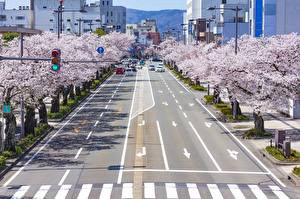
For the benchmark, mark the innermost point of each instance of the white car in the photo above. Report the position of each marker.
(152, 68)
(129, 72)
(160, 69)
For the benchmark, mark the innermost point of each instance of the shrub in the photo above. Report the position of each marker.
(40, 129)
(55, 115)
(7, 154)
(226, 111)
(208, 99)
(2, 161)
(221, 105)
(296, 171)
(71, 102)
(276, 153)
(19, 150)
(96, 82)
(255, 133)
(198, 88)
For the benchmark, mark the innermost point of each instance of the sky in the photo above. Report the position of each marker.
(136, 4)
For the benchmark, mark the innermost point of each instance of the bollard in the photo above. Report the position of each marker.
(279, 138)
(287, 149)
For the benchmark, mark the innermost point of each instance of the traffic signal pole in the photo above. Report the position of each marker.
(2, 58)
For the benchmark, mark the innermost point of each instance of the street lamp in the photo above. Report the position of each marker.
(236, 9)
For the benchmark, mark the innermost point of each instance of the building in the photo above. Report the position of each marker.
(272, 17)
(78, 17)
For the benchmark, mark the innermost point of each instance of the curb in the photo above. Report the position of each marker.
(294, 179)
(275, 161)
(26, 152)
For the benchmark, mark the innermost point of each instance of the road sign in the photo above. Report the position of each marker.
(6, 108)
(101, 50)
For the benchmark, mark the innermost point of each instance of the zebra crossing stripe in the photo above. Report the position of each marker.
(21, 192)
(149, 190)
(63, 191)
(214, 191)
(85, 191)
(127, 190)
(257, 192)
(171, 190)
(42, 192)
(236, 192)
(106, 191)
(193, 191)
(277, 191)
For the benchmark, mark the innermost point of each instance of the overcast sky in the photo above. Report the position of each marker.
(137, 4)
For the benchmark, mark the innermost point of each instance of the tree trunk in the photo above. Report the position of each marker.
(72, 94)
(10, 132)
(77, 91)
(66, 91)
(43, 112)
(216, 95)
(97, 75)
(259, 123)
(236, 109)
(1, 137)
(55, 104)
(30, 122)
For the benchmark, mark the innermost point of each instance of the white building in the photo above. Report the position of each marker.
(272, 17)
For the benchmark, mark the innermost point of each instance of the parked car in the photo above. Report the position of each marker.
(129, 72)
(133, 68)
(151, 67)
(160, 69)
(139, 67)
(120, 71)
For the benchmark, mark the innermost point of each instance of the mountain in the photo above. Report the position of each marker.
(165, 18)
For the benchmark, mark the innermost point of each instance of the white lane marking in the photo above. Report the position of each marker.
(180, 107)
(106, 107)
(171, 190)
(142, 124)
(236, 192)
(205, 147)
(42, 192)
(21, 192)
(63, 192)
(165, 103)
(78, 153)
(64, 177)
(54, 135)
(85, 191)
(143, 153)
(191, 104)
(257, 192)
(162, 146)
(208, 124)
(184, 114)
(109, 101)
(160, 92)
(277, 191)
(101, 115)
(193, 191)
(106, 191)
(97, 122)
(233, 154)
(127, 191)
(172, 93)
(126, 137)
(174, 124)
(89, 135)
(112, 96)
(176, 101)
(149, 191)
(173, 96)
(244, 147)
(186, 153)
(179, 82)
(214, 191)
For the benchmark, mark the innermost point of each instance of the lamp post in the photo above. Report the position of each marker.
(236, 9)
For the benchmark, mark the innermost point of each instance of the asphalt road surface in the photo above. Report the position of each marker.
(142, 136)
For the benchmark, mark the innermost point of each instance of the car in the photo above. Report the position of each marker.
(151, 67)
(133, 68)
(120, 71)
(159, 68)
(129, 72)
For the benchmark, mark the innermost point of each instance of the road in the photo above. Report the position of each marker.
(143, 136)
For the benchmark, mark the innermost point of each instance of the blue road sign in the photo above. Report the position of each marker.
(101, 50)
(6, 108)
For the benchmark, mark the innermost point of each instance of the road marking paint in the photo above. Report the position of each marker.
(205, 147)
(179, 82)
(191, 104)
(143, 153)
(244, 147)
(126, 137)
(89, 135)
(171, 190)
(162, 146)
(277, 191)
(42, 192)
(173, 96)
(257, 192)
(21, 192)
(64, 177)
(236, 192)
(106, 191)
(97, 122)
(184, 114)
(180, 107)
(63, 191)
(101, 115)
(85, 191)
(214, 191)
(112, 96)
(165, 103)
(193, 191)
(174, 124)
(176, 101)
(149, 190)
(186, 153)
(208, 124)
(127, 190)
(233, 154)
(160, 92)
(181, 92)
(142, 124)
(78, 153)
(54, 135)
(106, 107)
(109, 101)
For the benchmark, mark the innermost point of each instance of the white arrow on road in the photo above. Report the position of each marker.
(233, 154)
(186, 153)
(165, 103)
(208, 124)
(143, 153)
(181, 92)
(143, 123)
(174, 124)
(191, 104)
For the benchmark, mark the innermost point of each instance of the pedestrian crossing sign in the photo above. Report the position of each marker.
(6, 108)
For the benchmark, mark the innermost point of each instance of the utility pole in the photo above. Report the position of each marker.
(59, 18)
(236, 29)
(91, 24)
(79, 21)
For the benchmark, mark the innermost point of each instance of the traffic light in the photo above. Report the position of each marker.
(55, 60)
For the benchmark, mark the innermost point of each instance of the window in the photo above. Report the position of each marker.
(103, 3)
(107, 3)
(107, 14)
(51, 20)
(223, 1)
(76, 24)
(45, 7)
(20, 25)
(68, 29)
(68, 20)
(50, 29)
(2, 17)
(20, 17)
(111, 13)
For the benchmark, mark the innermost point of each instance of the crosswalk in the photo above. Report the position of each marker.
(151, 190)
